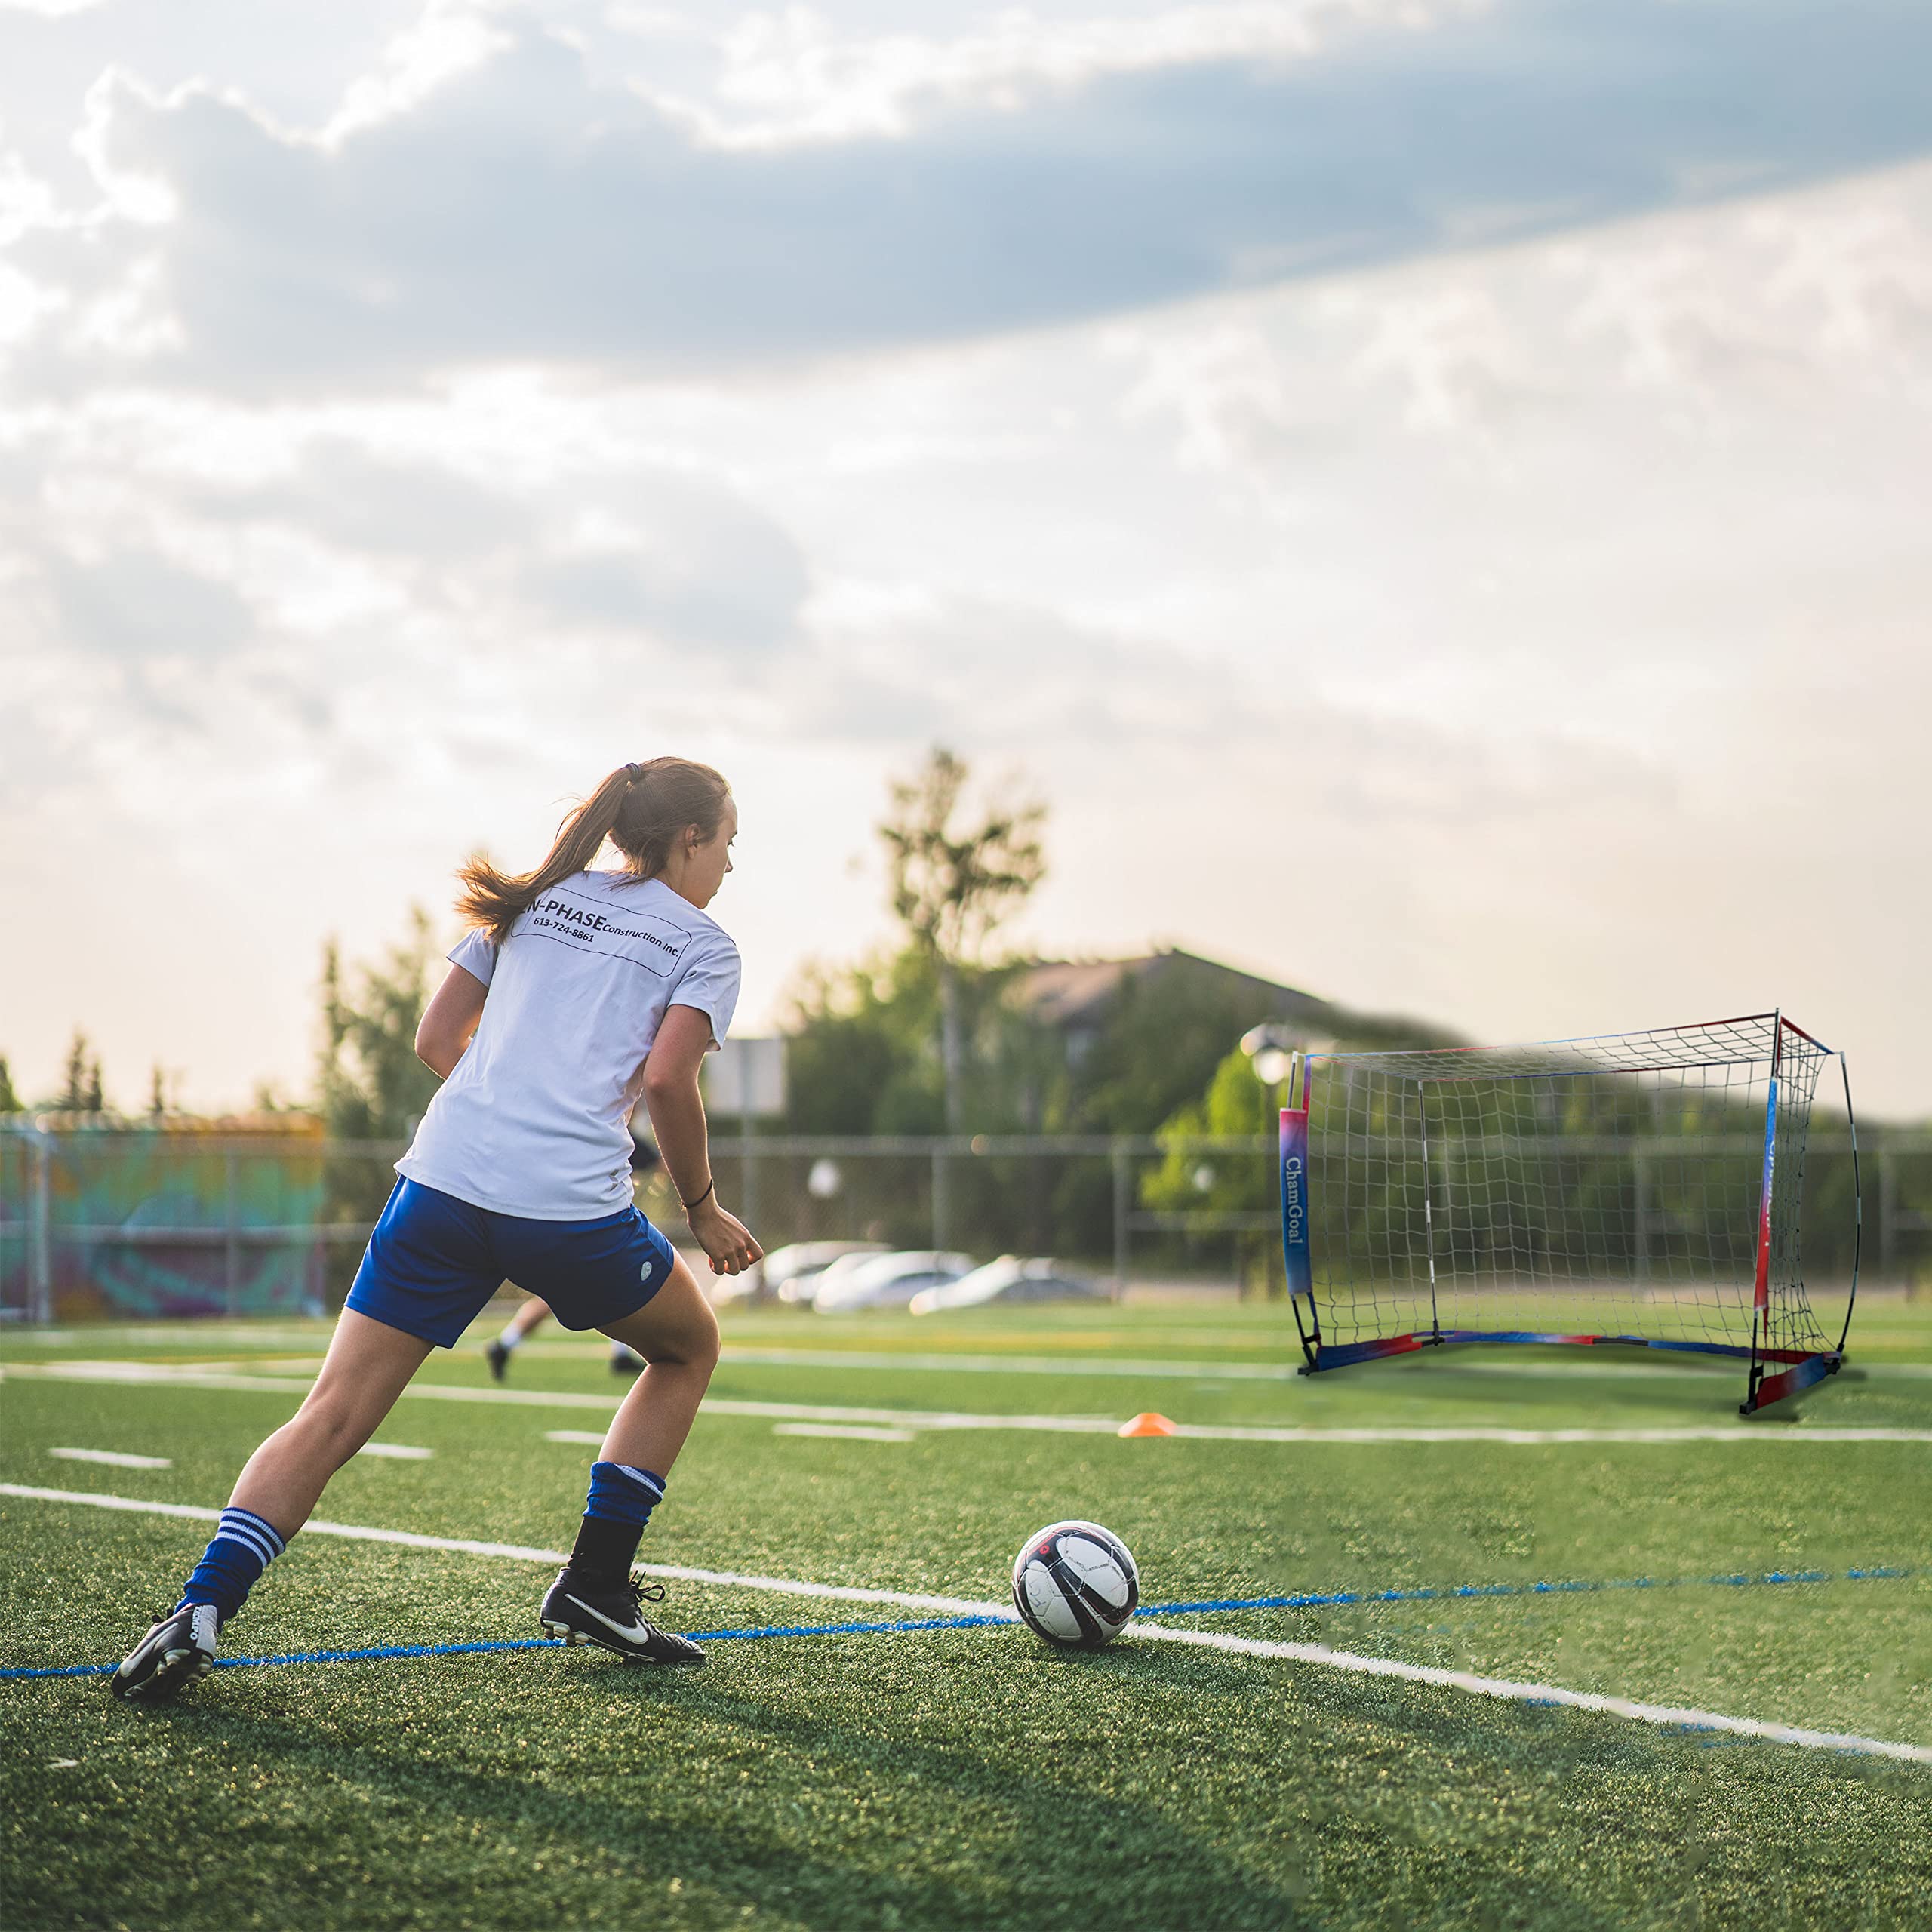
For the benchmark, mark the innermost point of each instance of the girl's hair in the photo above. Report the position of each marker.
(641, 808)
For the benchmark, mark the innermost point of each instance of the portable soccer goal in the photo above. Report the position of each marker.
(1645, 1189)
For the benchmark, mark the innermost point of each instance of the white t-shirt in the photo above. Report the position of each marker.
(534, 1119)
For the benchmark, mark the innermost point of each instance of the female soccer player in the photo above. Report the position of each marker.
(574, 993)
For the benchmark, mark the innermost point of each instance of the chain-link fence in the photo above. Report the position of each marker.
(120, 1223)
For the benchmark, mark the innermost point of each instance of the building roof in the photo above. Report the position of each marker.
(1070, 993)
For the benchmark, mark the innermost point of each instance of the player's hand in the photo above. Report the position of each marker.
(723, 1237)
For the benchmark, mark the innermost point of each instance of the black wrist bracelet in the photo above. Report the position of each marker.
(710, 1188)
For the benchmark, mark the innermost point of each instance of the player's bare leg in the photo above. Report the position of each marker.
(369, 1364)
(595, 1600)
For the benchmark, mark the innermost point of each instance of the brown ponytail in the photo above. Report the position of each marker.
(640, 808)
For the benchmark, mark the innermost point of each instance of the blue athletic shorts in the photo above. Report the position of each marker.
(433, 1261)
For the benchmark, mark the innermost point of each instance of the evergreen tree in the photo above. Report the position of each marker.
(73, 1099)
(10, 1101)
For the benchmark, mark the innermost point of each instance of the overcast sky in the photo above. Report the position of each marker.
(1433, 492)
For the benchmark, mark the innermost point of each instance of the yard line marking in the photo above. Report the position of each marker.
(970, 1612)
(401, 1451)
(523, 1553)
(117, 1458)
(1739, 1431)
(844, 1432)
(1675, 1716)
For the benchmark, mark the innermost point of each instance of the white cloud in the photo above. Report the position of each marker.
(448, 39)
(494, 194)
(791, 76)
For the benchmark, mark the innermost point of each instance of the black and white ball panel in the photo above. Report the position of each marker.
(1075, 1584)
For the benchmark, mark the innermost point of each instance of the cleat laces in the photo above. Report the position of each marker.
(642, 1593)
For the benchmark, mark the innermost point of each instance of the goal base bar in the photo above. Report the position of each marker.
(1804, 1367)
(1800, 1375)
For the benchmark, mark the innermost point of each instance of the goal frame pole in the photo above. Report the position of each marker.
(1809, 1368)
(1296, 1260)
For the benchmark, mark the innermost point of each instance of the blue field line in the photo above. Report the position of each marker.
(1310, 1600)
(1330, 1599)
(388, 1650)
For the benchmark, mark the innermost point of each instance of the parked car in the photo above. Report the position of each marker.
(768, 1279)
(791, 1273)
(885, 1280)
(1011, 1281)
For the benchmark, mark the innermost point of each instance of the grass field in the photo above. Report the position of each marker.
(967, 1776)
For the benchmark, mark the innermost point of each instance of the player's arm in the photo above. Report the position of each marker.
(449, 1021)
(677, 1114)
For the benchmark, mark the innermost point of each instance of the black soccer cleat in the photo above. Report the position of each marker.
(498, 1355)
(607, 1614)
(626, 1360)
(177, 1652)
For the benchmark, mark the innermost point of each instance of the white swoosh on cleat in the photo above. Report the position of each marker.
(637, 1633)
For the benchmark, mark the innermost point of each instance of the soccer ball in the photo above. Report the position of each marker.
(1075, 1585)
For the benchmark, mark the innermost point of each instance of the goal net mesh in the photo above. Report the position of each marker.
(1601, 1188)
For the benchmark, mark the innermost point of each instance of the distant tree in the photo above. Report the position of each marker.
(371, 1085)
(82, 1094)
(864, 1050)
(157, 1093)
(859, 1057)
(10, 1101)
(73, 1099)
(953, 883)
(1236, 1103)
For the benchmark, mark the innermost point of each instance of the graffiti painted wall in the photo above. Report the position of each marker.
(194, 1218)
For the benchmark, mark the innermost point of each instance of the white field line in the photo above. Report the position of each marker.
(116, 1458)
(844, 1432)
(786, 1586)
(1676, 1715)
(944, 1420)
(1319, 1655)
(399, 1452)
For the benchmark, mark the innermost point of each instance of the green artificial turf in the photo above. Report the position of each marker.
(970, 1778)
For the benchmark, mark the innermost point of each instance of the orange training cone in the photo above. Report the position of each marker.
(1146, 1424)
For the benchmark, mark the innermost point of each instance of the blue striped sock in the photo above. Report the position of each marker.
(620, 1502)
(244, 1544)
(624, 1494)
